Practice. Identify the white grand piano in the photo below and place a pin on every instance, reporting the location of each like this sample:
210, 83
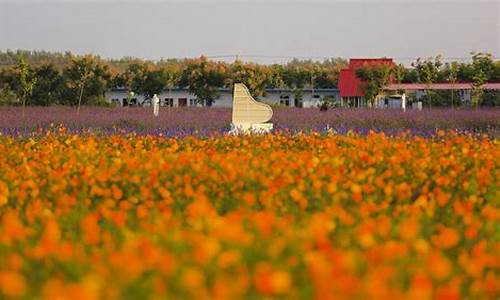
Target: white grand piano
249, 116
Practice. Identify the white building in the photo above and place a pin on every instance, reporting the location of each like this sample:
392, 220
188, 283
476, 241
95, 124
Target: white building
180, 97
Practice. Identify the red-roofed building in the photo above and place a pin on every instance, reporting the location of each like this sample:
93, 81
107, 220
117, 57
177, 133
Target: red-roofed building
350, 86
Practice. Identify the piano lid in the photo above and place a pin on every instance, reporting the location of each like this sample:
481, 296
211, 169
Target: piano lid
246, 109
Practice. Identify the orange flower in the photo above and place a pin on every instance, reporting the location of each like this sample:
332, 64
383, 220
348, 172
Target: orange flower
12, 228
409, 229
438, 266
447, 238
91, 230
193, 279
272, 282
12, 284
4, 193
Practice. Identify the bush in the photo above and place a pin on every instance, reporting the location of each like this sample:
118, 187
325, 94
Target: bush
491, 98
100, 101
8, 97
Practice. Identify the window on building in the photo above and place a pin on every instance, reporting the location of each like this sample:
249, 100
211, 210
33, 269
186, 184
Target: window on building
168, 102
192, 102
298, 102
316, 96
285, 100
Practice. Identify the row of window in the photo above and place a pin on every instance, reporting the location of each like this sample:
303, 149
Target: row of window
183, 102
168, 102
353, 101
285, 100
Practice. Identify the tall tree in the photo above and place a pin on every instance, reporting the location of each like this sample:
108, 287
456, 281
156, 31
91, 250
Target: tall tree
399, 73
87, 79
145, 79
49, 86
252, 75
296, 78
375, 78
27, 81
452, 70
484, 68
203, 79
428, 72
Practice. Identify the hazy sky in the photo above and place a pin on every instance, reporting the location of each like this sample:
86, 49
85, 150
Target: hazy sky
155, 29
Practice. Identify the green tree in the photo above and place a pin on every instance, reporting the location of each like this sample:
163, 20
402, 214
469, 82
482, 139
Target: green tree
7, 96
172, 75
428, 72
483, 69
399, 73
27, 81
375, 78
86, 80
49, 86
9, 84
252, 75
145, 79
496, 72
296, 78
451, 71
274, 78
203, 79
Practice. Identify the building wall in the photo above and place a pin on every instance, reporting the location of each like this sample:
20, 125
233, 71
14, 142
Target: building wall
463, 95
177, 97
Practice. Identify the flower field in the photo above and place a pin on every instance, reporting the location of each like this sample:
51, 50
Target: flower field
280, 216
176, 122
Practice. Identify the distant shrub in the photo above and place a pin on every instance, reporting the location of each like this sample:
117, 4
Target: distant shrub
7, 97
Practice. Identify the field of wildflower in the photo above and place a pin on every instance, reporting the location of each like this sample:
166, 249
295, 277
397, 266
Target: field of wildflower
282, 216
178, 122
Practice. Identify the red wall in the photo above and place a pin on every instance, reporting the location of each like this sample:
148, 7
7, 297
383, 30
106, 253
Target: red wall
349, 84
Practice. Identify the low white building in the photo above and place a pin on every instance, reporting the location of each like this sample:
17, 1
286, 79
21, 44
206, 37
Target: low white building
180, 97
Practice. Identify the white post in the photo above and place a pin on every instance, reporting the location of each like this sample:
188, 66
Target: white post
403, 102
156, 105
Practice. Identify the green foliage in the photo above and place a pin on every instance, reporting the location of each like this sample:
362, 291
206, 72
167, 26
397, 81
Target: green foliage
254, 76
450, 72
375, 78
203, 79
428, 71
7, 97
63, 78
329, 101
144, 79
490, 98
85, 78
441, 98
99, 101
49, 87
35, 58
27, 80
484, 68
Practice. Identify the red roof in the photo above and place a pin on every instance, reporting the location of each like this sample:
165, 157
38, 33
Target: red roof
349, 84
440, 86
356, 63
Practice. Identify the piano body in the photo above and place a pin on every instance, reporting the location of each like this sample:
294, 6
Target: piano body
248, 114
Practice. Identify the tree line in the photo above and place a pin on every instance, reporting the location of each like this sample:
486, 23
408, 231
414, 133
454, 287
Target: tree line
481, 70
45, 78
66, 79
